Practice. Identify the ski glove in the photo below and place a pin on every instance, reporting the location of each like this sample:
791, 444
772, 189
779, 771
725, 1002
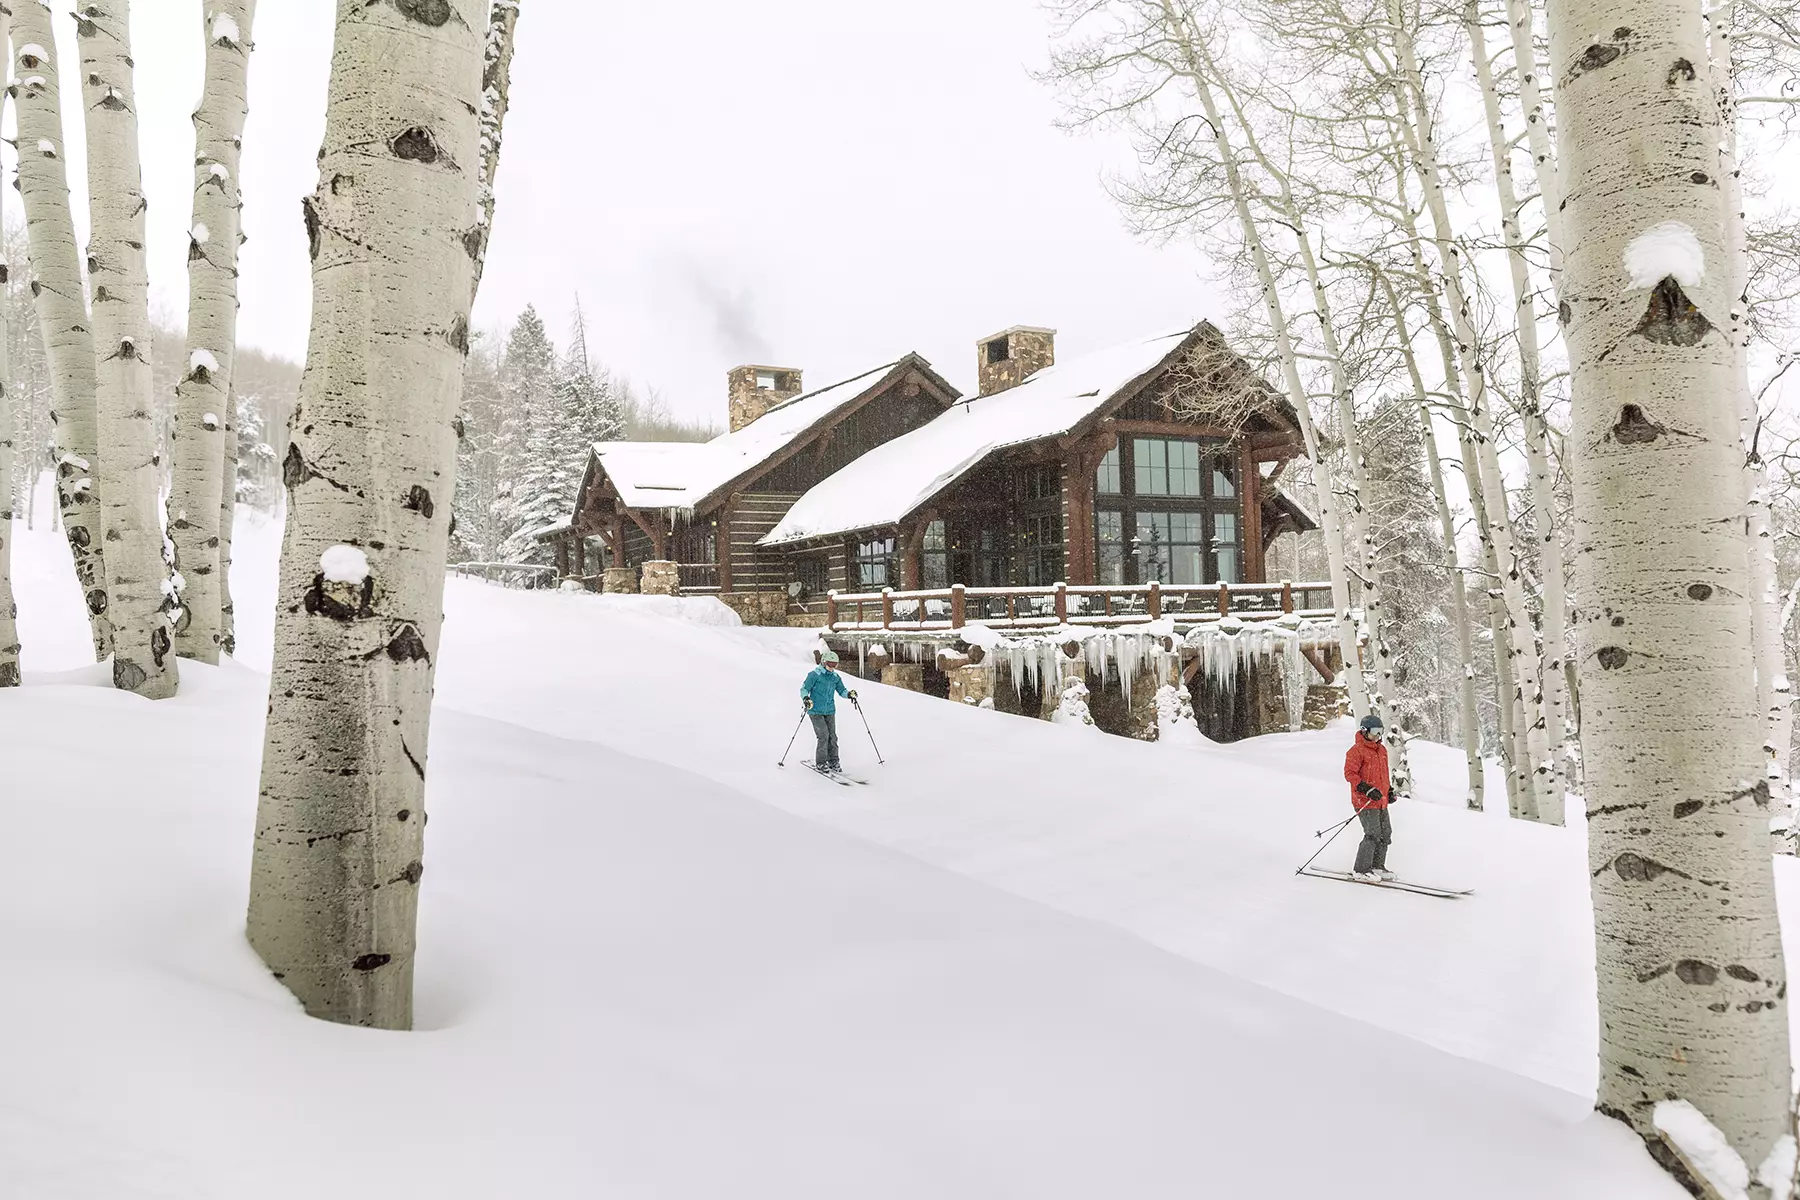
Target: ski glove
852, 697
806, 703
1369, 792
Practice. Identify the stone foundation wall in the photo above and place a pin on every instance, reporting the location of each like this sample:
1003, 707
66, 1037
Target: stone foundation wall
661, 578
971, 684
1325, 704
910, 676
758, 608
621, 580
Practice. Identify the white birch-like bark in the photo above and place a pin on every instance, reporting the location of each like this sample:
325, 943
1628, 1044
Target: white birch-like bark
9, 612
228, 448
140, 593
1546, 794
496, 96
196, 493
393, 233
61, 305
1774, 690
1330, 519
1554, 601
1692, 981
1520, 17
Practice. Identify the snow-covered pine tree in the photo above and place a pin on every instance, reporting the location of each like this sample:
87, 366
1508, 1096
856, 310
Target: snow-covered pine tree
1678, 805
62, 315
197, 485
1408, 557
140, 593
473, 537
340, 818
525, 450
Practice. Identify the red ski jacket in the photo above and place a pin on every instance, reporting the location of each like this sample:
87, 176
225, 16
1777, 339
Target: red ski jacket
1367, 763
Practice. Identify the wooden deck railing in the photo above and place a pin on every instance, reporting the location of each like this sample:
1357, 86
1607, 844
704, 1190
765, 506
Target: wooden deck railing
699, 577
525, 575
1067, 604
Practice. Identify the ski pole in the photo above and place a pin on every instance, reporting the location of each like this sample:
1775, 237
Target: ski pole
790, 745
1321, 833
867, 730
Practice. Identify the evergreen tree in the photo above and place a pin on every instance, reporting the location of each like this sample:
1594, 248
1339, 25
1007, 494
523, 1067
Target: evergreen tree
526, 496
1407, 557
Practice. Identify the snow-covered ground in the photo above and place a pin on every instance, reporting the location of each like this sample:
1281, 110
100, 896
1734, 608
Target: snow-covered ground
1025, 961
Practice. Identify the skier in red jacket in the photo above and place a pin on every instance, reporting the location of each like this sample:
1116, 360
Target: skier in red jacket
1366, 770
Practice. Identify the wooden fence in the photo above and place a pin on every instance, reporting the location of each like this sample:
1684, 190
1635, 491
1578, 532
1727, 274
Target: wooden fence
1066, 604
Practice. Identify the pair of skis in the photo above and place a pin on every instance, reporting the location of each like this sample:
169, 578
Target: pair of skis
835, 776
1397, 884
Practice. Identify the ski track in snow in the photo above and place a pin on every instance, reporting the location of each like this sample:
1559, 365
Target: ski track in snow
1089, 971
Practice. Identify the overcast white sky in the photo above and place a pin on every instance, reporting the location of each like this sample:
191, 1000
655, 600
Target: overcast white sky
822, 184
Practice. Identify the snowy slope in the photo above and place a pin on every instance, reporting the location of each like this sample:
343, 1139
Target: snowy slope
1024, 962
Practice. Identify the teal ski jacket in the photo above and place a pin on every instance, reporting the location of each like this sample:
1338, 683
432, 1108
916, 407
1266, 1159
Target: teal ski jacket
823, 688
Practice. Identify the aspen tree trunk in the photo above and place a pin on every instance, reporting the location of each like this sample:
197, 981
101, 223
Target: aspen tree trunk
9, 625
196, 494
227, 517
1285, 350
140, 593
1552, 664
1546, 793
1459, 608
1688, 941
393, 228
61, 306
1520, 19
1774, 691
496, 95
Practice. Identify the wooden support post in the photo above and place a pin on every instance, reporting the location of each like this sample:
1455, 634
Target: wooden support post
562, 558
831, 612
1250, 551
887, 608
957, 603
1155, 600
722, 544
1287, 596
1012, 608
580, 555
1312, 656
1062, 604
1224, 600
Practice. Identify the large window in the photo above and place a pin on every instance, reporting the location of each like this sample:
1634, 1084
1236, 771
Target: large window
812, 575
935, 557
1041, 548
1163, 467
1040, 482
875, 563
1179, 519
1106, 479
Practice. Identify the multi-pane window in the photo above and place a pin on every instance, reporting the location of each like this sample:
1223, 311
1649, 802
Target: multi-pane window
1106, 478
812, 575
875, 563
990, 558
1180, 521
1163, 467
1040, 482
1109, 528
1041, 548
935, 557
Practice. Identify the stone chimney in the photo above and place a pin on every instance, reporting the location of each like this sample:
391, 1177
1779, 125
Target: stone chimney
755, 390
1005, 359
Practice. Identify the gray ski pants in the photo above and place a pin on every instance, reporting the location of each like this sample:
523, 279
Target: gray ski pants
1378, 831
825, 730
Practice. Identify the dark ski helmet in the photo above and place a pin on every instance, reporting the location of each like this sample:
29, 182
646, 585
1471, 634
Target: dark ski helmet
1371, 726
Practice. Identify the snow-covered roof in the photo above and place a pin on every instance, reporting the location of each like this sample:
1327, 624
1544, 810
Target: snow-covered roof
684, 475
895, 478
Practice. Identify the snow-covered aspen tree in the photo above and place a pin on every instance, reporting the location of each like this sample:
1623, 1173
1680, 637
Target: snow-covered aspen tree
1417, 124
9, 625
496, 95
1553, 601
1692, 982
228, 448
140, 593
393, 232
61, 304
202, 406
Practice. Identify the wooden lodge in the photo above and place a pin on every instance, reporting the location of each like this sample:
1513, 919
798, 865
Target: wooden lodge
1153, 462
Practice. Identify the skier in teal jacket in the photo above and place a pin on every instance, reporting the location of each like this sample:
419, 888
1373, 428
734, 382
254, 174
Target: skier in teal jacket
818, 694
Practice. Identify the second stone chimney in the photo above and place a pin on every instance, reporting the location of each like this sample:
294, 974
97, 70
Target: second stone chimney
754, 390
1007, 358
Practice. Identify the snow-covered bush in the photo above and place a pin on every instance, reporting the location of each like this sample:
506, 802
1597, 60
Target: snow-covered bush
1072, 705
1175, 720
